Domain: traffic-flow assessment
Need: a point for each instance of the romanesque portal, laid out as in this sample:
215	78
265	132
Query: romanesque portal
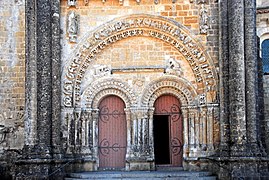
121	105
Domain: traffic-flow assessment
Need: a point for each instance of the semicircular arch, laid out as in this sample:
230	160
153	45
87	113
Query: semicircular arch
95	92
178	87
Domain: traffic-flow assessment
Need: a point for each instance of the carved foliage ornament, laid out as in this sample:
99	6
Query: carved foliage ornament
147	26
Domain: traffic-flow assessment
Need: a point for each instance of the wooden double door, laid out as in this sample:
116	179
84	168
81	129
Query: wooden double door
112	134
167	130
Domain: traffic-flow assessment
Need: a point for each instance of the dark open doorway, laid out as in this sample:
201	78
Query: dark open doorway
167	128
161	139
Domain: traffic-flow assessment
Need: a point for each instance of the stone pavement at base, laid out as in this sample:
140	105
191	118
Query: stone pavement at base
171	175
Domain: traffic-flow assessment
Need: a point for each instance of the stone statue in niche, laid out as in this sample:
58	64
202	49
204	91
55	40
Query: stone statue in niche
72	26
203	20
173	68
72	2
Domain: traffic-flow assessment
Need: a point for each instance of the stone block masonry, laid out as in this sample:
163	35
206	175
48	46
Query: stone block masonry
12	82
60	59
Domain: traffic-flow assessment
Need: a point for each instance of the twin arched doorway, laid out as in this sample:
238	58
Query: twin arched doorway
112	132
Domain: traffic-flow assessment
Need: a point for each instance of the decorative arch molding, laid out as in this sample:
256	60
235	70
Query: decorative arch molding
140	25
264	36
262	31
178	87
108	86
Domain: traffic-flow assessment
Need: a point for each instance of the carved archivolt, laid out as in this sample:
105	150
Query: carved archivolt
136	26
175	86
108	86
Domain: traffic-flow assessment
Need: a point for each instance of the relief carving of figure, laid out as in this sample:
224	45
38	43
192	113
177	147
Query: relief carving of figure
72	26
173	68
203	20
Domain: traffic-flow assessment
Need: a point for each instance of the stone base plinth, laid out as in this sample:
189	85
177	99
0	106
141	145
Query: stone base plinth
240	167
80	165
39	169
140	166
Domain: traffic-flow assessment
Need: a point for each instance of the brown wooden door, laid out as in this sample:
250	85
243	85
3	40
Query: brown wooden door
168	131
112	134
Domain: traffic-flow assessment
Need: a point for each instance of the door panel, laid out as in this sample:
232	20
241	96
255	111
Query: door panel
169	106
112	133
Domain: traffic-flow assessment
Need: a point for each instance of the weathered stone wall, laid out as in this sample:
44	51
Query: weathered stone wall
12	83
12	73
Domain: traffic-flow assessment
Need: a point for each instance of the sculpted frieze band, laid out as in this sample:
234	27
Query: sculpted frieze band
157	28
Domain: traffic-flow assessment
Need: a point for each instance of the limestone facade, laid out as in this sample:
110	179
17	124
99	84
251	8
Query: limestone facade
80	52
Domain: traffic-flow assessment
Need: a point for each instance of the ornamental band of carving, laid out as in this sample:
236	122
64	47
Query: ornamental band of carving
158	28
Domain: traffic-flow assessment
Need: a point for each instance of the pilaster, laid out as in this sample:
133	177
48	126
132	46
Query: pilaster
42	150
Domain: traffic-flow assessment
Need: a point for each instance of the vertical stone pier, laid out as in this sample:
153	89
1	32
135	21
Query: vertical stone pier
242	157
42	149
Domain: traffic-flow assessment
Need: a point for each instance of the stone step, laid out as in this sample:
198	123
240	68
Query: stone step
171	175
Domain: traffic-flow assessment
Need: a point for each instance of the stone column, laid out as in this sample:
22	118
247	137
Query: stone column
56	79
85	135
129	131
237	88
210	128
151	144
185	132
192	132
31	76
44	80
95	117
42	125
224	78
251	74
